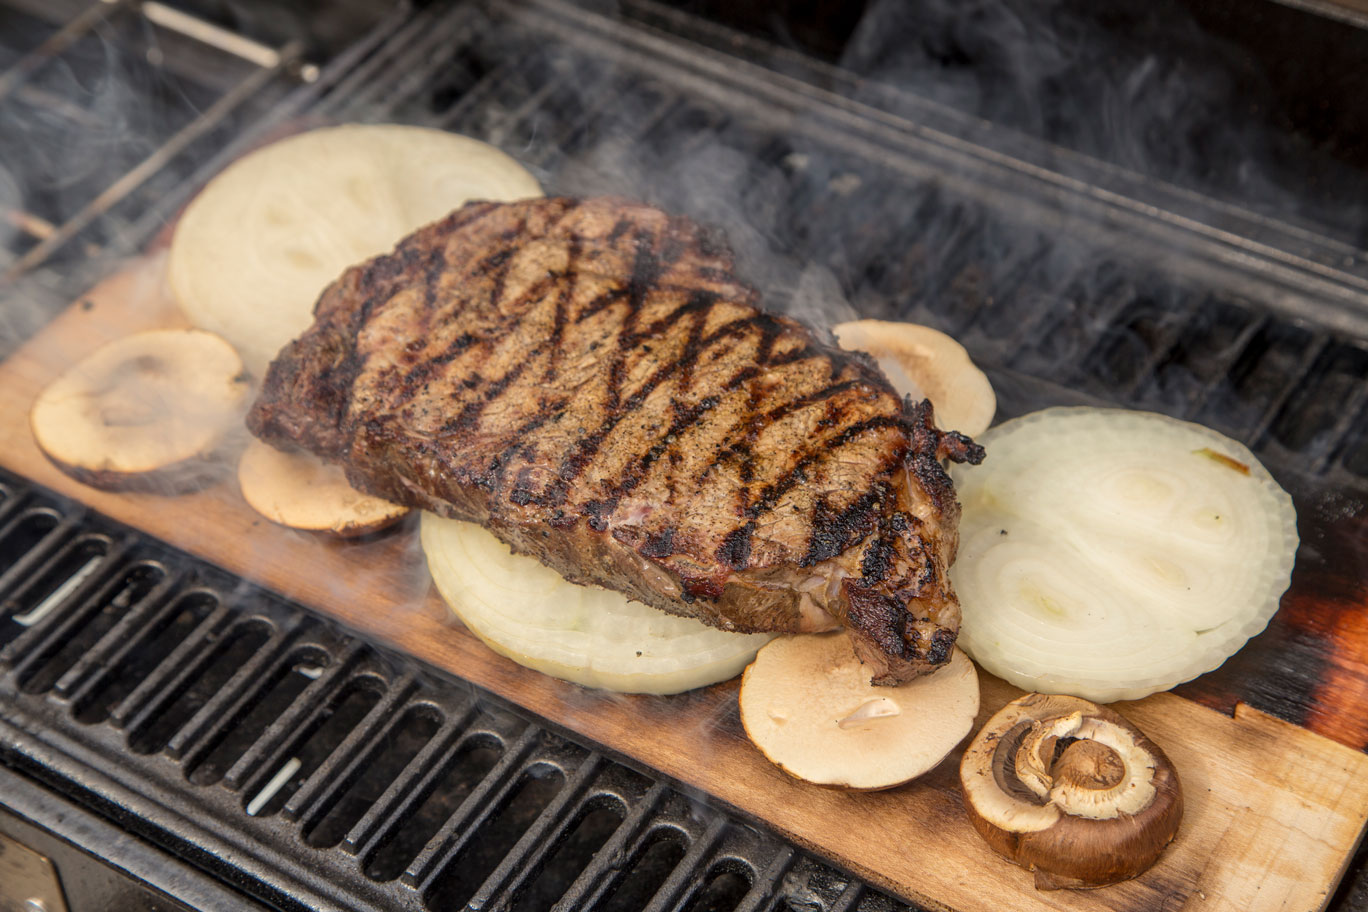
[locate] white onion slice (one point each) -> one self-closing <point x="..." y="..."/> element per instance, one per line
<point x="528" y="612"/>
<point x="1110" y="554"/>
<point x="261" y="241"/>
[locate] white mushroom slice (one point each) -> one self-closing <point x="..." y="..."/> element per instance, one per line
<point x="807" y="704"/>
<point x="528" y="612"/>
<point x="257" y="246"/>
<point x="925" y="363"/>
<point x="1070" y="790"/>
<point x="147" y="411"/>
<point x="299" y="490"/>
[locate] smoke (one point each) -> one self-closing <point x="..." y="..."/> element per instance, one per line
<point x="1142" y="86"/>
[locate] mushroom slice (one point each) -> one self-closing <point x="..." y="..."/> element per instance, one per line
<point x="1070" y="790"/>
<point x="807" y="703"/>
<point x="925" y="363"/>
<point x="148" y="411"/>
<point x="299" y="490"/>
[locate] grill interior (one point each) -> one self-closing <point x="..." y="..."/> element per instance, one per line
<point x="221" y="722"/>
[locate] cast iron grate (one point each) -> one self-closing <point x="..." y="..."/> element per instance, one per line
<point x="314" y="770"/>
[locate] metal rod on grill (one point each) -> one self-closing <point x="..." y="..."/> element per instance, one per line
<point x="210" y="34"/>
<point x="56" y="43"/>
<point x="155" y="162"/>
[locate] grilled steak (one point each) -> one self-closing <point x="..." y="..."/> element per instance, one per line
<point x="590" y="381"/>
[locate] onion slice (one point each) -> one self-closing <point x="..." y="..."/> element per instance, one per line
<point x="1109" y="554"/>
<point x="529" y="613"/>
<point x="261" y="241"/>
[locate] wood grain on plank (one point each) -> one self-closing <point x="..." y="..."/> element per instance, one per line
<point x="1273" y="811"/>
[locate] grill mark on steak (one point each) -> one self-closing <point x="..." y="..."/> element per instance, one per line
<point x="592" y="382"/>
<point x="812" y="455"/>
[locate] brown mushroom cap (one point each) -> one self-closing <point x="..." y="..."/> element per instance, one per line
<point x="1070" y="790"/>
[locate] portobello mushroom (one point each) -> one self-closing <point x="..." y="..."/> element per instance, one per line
<point x="1070" y="790"/>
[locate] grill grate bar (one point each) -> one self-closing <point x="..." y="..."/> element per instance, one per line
<point x="316" y="796"/>
<point x="199" y="735"/>
<point x="153" y="164"/>
<point x="412" y="79"/>
<point x="67" y="607"/>
<point x="852" y="897"/>
<point x="312" y="700"/>
<point x="1221" y="369"/>
<point x="89" y="670"/>
<point x="451" y="118"/>
<point x="766" y="884"/>
<point x="553" y="153"/>
<point x="1296" y="377"/>
<point x="57" y="42"/>
<point x="23" y="572"/>
<point x="365" y="79"/>
<point x="537" y="842"/>
<point x="170" y="676"/>
<point x="38" y="601"/>
<point x="1342" y="432"/>
<point x="690" y="868"/>
<point x="453" y="836"/>
<point x="594" y="881"/>
<point x="407" y="789"/>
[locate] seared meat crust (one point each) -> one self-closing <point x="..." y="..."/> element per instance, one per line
<point x="590" y="381"/>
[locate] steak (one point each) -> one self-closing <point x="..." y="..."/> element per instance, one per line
<point x="589" y="380"/>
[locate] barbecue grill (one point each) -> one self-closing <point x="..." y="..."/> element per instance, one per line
<point x="174" y="736"/>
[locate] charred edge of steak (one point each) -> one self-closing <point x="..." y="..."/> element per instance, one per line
<point x="901" y="615"/>
<point x="929" y="446"/>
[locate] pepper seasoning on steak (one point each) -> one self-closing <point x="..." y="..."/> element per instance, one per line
<point x="589" y="380"/>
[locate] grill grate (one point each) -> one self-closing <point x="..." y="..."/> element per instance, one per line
<point x="225" y="720"/>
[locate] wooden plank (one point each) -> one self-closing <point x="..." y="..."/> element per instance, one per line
<point x="1274" y="811"/>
